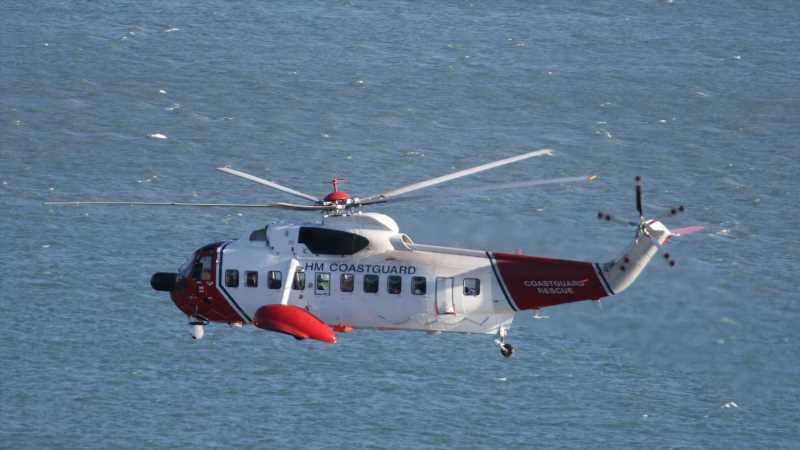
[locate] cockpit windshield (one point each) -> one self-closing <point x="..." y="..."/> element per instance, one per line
<point x="185" y="268"/>
<point x="202" y="268"/>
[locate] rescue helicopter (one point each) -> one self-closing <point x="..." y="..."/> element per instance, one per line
<point x="356" y="270"/>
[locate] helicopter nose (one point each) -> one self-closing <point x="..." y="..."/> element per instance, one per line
<point x="164" y="281"/>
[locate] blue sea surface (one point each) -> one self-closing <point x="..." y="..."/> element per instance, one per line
<point x="126" y="100"/>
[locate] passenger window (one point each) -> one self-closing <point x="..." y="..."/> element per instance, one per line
<point x="323" y="286"/>
<point x="472" y="286"/>
<point x="419" y="285"/>
<point x="299" y="282"/>
<point x="232" y="278"/>
<point x="347" y="282"/>
<point x="393" y="284"/>
<point x="371" y="284"/>
<point x="274" y="279"/>
<point x="251" y="278"/>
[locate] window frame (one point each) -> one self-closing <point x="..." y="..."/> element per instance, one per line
<point x="352" y="286"/>
<point x="271" y="279"/>
<point x="228" y="274"/>
<point x="299" y="281"/>
<point x="414" y="286"/>
<point x="477" y="288"/>
<point x="247" y="278"/>
<point x="317" y="290"/>
<point x="390" y="280"/>
<point x="377" y="279"/>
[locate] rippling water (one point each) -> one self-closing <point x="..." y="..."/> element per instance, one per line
<point x="142" y="100"/>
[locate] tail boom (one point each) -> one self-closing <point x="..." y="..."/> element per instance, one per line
<point x="623" y="271"/>
<point x="532" y="282"/>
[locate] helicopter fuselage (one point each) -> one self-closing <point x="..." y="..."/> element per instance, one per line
<point x="359" y="271"/>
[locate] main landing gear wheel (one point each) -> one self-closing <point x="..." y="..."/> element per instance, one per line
<point x="505" y="349"/>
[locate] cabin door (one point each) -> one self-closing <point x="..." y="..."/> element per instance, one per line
<point x="444" y="296"/>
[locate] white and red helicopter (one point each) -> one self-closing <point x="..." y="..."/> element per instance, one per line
<point x="356" y="270"/>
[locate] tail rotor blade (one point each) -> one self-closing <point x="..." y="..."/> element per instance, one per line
<point x="639" y="196"/>
<point x="606" y="217"/>
<point x="668" y="259"/>
<point x="674" y="211"/>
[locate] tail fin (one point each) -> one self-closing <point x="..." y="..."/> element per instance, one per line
<point x="530" y="282"/>
<point x="651" y="235"/>
<point x="623" y="271"/>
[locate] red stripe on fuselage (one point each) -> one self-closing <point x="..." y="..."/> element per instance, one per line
<point x="535" y="282"/>
<point x="203" y="297"/>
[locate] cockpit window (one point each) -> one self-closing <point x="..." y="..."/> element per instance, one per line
<point x="197" y="270"/>
<point x="185" y="268"/>
<point x="202" y="269"/>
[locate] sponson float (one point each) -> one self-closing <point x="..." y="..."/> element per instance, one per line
<point x="357" y="270"/>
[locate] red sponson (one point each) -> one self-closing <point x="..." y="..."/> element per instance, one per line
<point x="535" y="282"/>
<point x="294" y="321"/>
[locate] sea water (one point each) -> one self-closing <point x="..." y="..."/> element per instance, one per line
<point x="126" y="100"/>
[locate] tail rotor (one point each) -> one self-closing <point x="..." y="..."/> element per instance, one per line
<point x="644" y="226"/>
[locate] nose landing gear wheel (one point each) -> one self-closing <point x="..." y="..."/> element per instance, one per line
<point x="197" y="324"/>
<point x="507" y="350"/>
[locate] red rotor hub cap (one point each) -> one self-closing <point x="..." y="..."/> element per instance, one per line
<point x="337" y="196"/>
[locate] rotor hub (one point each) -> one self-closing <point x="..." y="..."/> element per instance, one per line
<point x="337" y="196"/>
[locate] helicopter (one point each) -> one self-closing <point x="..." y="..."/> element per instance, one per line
<point x="355" y="270"/>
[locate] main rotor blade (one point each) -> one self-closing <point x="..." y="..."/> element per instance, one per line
<point x="271" y="184"/>
<point x="455" y="175"/>
<point x="491" y="187"/>
<point x="205" y="205"/>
